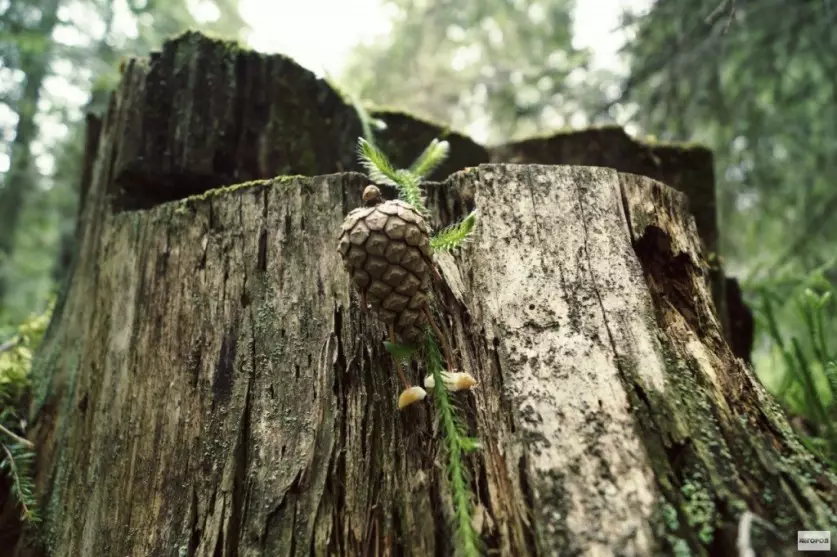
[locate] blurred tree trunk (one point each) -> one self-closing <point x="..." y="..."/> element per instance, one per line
<point x="209" y="387"/>
<point x="34" y="64"/>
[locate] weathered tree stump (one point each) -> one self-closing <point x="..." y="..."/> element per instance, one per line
<point x="210" y="387"/>
<point x="686" y="168"/>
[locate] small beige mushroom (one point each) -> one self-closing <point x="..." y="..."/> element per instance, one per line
<point x="455" y="381"/>
<point x="409" y="396"/>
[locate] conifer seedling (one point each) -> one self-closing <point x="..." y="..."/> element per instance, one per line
<point x="388" y="250"/>
<point x="388" y="247"/>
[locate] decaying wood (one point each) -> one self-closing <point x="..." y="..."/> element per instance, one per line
<point x="686" y="168"/>
<point x="209" y="387"/>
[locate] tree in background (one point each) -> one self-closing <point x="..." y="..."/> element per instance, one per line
<point x="755" y="82"/>
<point x="25" y="59"/>
<point x="499" y="68"/>
<point x="58" y="61"/>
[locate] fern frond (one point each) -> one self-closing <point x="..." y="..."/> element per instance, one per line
<point x="376" y="163"/>
<point x="455" y="235"/>
<point x="456" y="444"/>
<point x="431" y="158"/>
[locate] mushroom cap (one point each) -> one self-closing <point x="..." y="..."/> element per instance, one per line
<point x="372" y="195"/>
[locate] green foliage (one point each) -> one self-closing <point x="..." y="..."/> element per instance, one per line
<point x="408" y="183"/>
<point x="376" y="163"/>
<point x="381" y="170"/>
<point x="430" y="158"/>
<point x="457" y="444"/>
<point x="455" y="235"/>
<point x="16" y="453"/>
<point x="807" y="383"/>
<point x="509" y="67"/>
<point x="400" y="352"/>
<point x="16" y="462"/>
<point x="758" y="89"/>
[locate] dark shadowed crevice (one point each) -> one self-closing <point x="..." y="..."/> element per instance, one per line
<point x="238" y="507"/>
<point x="334" y="487"/>
<point x="670" y="279"/>
<point x="222" y="382"/>
<point x="194" y="530"/>
<point x="529" y="534"/>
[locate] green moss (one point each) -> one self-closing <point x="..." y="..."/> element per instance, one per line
<point x="669" y="513"/>
<point x="699" y="508"/>
<point x="681" y="548"/>
<point x="223" y="190"/>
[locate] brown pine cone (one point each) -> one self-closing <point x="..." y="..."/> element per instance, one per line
<point x="385" y="248"/>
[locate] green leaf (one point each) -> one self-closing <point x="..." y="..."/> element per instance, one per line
<point x="399" y="351"/>
<point x="431" y="158"/>
<point x="456" y="444"/>
<point x="470" y="444"/>
<point x="455" y="235"/>
<point x="830" y="372"/>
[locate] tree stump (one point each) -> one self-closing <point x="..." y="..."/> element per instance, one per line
<point x="686" y="168"/>
<point x="209" y="386"/>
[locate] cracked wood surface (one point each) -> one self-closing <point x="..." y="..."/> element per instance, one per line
<point x="214" y="389"/>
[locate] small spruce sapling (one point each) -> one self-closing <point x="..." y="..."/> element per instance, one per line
<point x="360" y="257"/>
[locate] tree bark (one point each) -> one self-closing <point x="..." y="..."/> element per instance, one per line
<point x="686" y="168"/>
<point x="209" y="386"/>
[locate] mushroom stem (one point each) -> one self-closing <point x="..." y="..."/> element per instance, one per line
<point x="394" y="359"/>
<point x="445" y="346"/>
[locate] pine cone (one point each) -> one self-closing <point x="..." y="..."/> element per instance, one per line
<point x="386" y="249"/>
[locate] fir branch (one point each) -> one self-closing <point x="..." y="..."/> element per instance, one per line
<point x="830" y="372"/>
<point x="431" y="158"/>
<point x="457" y="443"/>
<point x="409" y="190"/>
<point x="18" y="439"/>
<point x="455" y="235"/>
<point x="17" y="461"/>
<point x="376" y="163"/>
<point x="380" y="170"/>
